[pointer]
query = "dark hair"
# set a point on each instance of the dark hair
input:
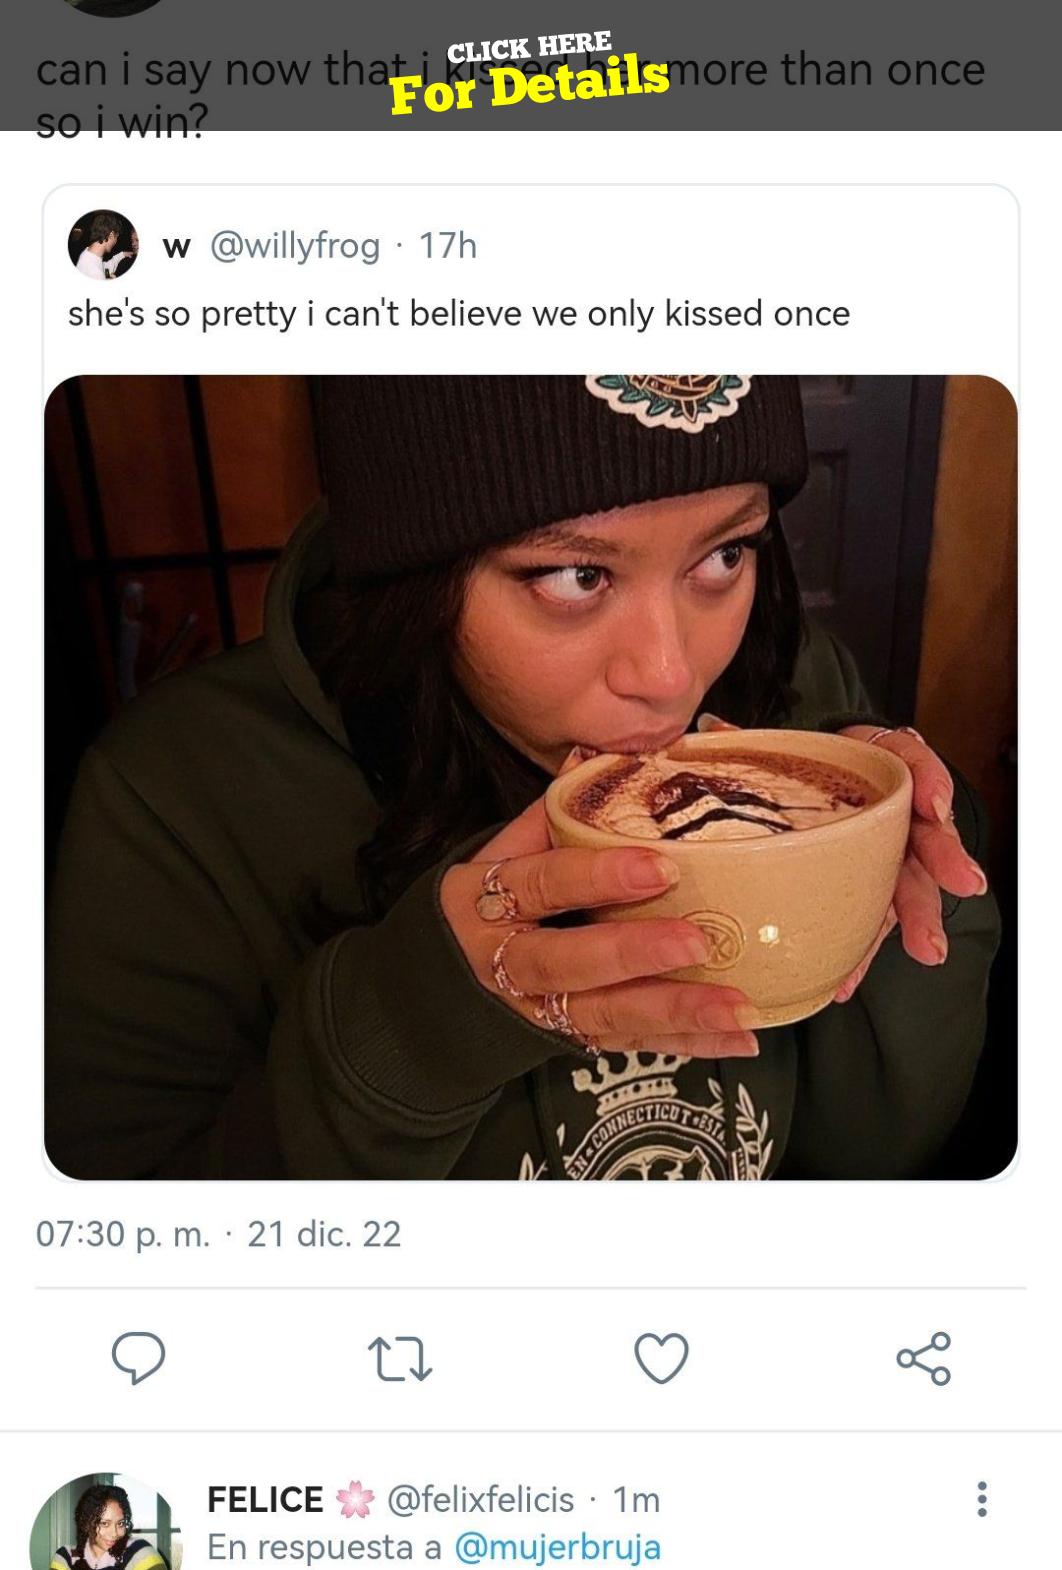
(103, 226)
(382, 649)
(89, 1511)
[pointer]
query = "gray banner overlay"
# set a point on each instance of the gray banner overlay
(199, 66)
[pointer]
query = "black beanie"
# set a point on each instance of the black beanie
(420, 469)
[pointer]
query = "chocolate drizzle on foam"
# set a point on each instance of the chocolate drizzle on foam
(681, 791)
(674, 797)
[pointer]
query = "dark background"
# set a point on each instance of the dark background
(168, 499)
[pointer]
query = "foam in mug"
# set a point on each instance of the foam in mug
(788, 845)
(738, 795)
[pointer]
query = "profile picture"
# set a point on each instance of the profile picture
(103, 245)
(106, 1521)
(111, 7)
(531, 777)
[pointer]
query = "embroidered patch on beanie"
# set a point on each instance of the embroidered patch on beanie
(678, 403)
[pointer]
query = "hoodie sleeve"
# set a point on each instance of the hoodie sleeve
(155, 1009)
(166, 1056)
(883, 1079)
(392, 1049)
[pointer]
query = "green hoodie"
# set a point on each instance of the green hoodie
(198, 1027)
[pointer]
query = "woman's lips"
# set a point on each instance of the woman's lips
(640, 743)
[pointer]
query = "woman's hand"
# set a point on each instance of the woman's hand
(935, 858)
(612, 971)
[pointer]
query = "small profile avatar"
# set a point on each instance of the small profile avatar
(103, 245)
(112, 7)
(106, 1522)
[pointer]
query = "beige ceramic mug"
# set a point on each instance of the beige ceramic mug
(787, 916)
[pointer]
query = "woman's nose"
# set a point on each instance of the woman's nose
(649, 660)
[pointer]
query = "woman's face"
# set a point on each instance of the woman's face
(111, 1527)
(606, 631)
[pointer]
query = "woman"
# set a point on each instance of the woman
(103, 1520)
(274, 937)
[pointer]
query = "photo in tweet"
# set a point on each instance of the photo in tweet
(531, 777)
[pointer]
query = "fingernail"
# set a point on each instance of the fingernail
(939, 944)
(650, 872)
(843, 993)
(706, 722)
(576, 756)
(745, 1045)
(982, 881)
(942, 807)
(677, 953)
(734, 1020)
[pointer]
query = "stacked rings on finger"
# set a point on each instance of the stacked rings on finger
(496, 902)
(552, 1014)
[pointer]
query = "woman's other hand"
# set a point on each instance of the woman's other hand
(935, 858)
(612, 972)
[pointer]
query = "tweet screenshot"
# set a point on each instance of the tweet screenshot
(513, 865)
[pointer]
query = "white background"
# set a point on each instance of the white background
(925, 254)
(908, 263)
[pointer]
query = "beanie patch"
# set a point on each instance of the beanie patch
(678, 403)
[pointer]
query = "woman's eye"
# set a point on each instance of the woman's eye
(723, 564)
(569, 585)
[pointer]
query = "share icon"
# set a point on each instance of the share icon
(939, 1341)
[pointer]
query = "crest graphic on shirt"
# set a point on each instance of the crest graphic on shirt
(645, 1131)
(679, 403)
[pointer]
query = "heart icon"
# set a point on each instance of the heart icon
(661, 1357)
